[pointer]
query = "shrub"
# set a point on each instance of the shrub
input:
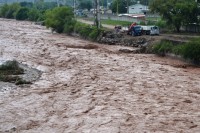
(9, 72)
(79, 26)
(95, 33)
(33, 14)
(9, 11)
(87, 31)
(69, 26)
(22, 13)
(59, 19)
(162, 48)
(191, 50)
(41, 16)
(11, 67)
(4, 10)
(178, 49)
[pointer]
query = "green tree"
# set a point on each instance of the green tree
(22, 13)
(145, 2)
(119, 6)
(60, 19)
(85, 4)
(33, 14)
(176, 12)
(9, 11)
(26, 4)
(4, 10)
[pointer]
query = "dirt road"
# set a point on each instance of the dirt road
(92, 88)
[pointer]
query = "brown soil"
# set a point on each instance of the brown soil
(94, 88)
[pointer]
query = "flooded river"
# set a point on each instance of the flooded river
(92, 88)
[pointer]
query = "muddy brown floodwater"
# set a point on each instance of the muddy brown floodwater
(92, 88)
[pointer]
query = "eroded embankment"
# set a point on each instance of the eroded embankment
(94, 89)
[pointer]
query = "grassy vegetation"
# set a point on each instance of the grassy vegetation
(9, 72)
(162, 48)
(115, 22)
(111, 22)
(86, 31)
(154, 18)
(189, 51)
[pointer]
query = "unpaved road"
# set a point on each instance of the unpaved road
(94, 90)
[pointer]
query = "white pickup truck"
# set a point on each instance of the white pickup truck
(150, 30)
(154, 30)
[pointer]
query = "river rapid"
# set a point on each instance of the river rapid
(93, 88)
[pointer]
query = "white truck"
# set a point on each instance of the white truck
(154, 30)
(150, 30)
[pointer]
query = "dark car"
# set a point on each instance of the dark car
(136, 31)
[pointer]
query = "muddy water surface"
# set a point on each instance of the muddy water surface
(92, 88)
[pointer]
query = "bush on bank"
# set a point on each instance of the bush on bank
(60, 19)
(33, 14)
(87, 31)
(21, 10)
(162, 48)
(9, 11)
(189, 51)
(22, 13)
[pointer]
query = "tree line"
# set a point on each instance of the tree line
(177, 13)
(59, 19)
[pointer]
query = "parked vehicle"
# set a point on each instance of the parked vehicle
(125, 29)
(118, 28)
(129, 32)
(154, 30)
(143, 30)
(136, 31)
(146, 30)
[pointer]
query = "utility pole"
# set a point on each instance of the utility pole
(97, 14)
(106, 4)
(127, 5)
(74, 8)
(117, 8)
